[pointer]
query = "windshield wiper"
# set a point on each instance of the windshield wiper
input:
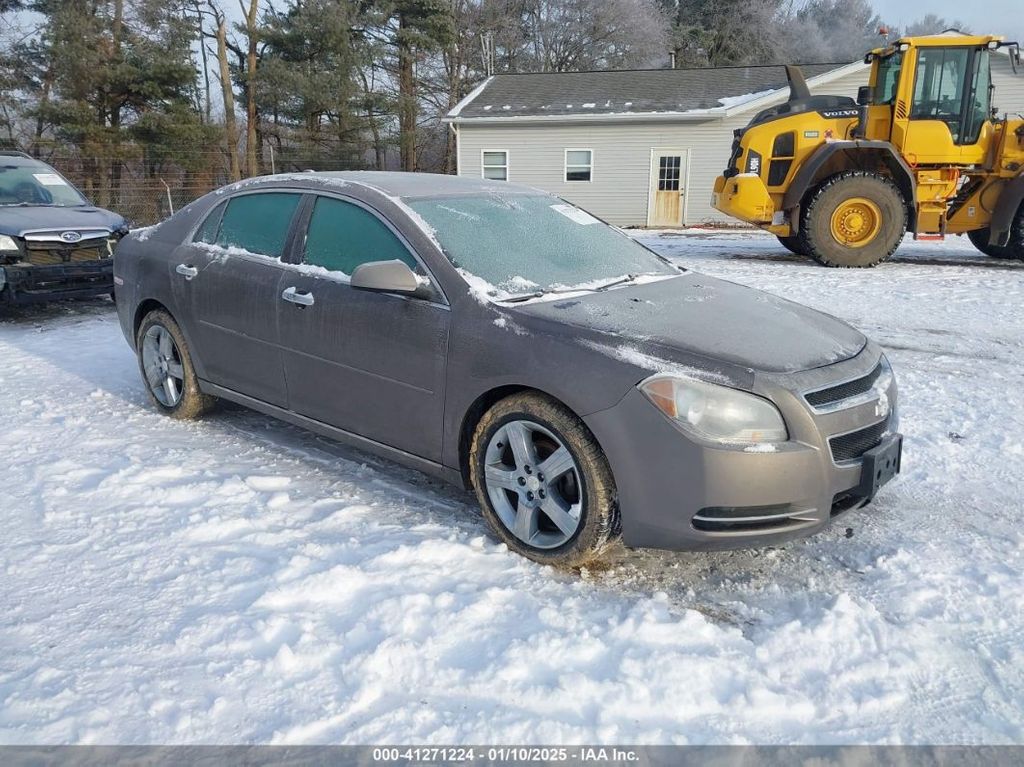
(618, 281)
(520, 297)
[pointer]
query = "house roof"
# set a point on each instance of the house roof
(700, 92)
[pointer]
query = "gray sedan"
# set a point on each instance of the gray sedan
(582, 386)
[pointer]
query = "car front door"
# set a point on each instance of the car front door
(369, 363)
(229, 278)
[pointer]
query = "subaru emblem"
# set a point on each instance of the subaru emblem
(70, 236)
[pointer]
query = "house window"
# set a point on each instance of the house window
(579, 164)
(495, 165)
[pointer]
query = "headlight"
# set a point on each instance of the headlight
(715, 412)
(7, 243)
(886, 372)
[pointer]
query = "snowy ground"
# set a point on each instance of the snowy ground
(239, 580)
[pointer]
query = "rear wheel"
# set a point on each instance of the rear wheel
(1015, 247)
(543, 482)
(979, 238)
(166, 367)
(854, 219)
(793, 245)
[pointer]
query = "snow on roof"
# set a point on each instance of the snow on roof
(693, 92)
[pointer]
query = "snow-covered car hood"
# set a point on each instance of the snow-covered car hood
(694, 315)
(14, 219)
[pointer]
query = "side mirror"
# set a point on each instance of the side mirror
(387, 277)
(864, 95)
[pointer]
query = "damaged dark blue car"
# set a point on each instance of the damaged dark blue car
(54, 243)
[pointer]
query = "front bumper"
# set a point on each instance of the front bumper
(677, 493)
(27, 283)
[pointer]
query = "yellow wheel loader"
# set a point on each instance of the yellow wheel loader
(920, 149)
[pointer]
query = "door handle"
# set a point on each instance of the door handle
(186, 270)
(295, 297)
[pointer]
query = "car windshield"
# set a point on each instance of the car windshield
(518, 244)
(28, 182)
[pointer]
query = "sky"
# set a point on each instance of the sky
(985, 17)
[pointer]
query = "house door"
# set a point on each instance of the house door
(667, 199)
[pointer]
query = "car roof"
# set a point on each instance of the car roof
(19, 159)
(399, 184)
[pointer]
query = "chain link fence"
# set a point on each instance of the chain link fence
(145, 199)
(146, 202)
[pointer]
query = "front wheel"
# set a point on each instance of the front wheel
(543, 482)
(166, 367)
(854, 219)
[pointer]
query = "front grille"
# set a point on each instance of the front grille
(734, 157)
(843, 391)
(52, 256)
(777, 171)
(847, 447)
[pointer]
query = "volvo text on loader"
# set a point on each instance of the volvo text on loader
(921, 149)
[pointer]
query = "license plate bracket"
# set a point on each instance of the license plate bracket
(879, 465)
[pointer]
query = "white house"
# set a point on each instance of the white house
(609, 141)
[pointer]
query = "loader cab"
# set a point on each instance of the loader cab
(931, 97)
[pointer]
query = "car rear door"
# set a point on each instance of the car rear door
(370, 363)
(229, 277)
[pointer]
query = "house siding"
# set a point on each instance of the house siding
(618, 191)
(619, 181)
(1009, 96)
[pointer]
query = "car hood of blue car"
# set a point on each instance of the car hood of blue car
(15, 220)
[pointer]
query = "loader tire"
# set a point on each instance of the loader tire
(1015, 247)
(793, 245)
(854, 219)
(979, 238)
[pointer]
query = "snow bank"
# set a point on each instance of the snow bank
(239, 580)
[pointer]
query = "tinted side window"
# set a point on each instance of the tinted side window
(258, 222)
(207, 231)
(342, 236)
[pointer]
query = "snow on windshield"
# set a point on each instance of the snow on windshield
(507, 244)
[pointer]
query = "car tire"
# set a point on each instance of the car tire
(166, 367)
(533, 513)
(866, 207)
(793, 245)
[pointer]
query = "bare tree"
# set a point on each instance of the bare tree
(227, 92)
(251, 113)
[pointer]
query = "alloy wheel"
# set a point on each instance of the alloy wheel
(161, 361)
(533, 483)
